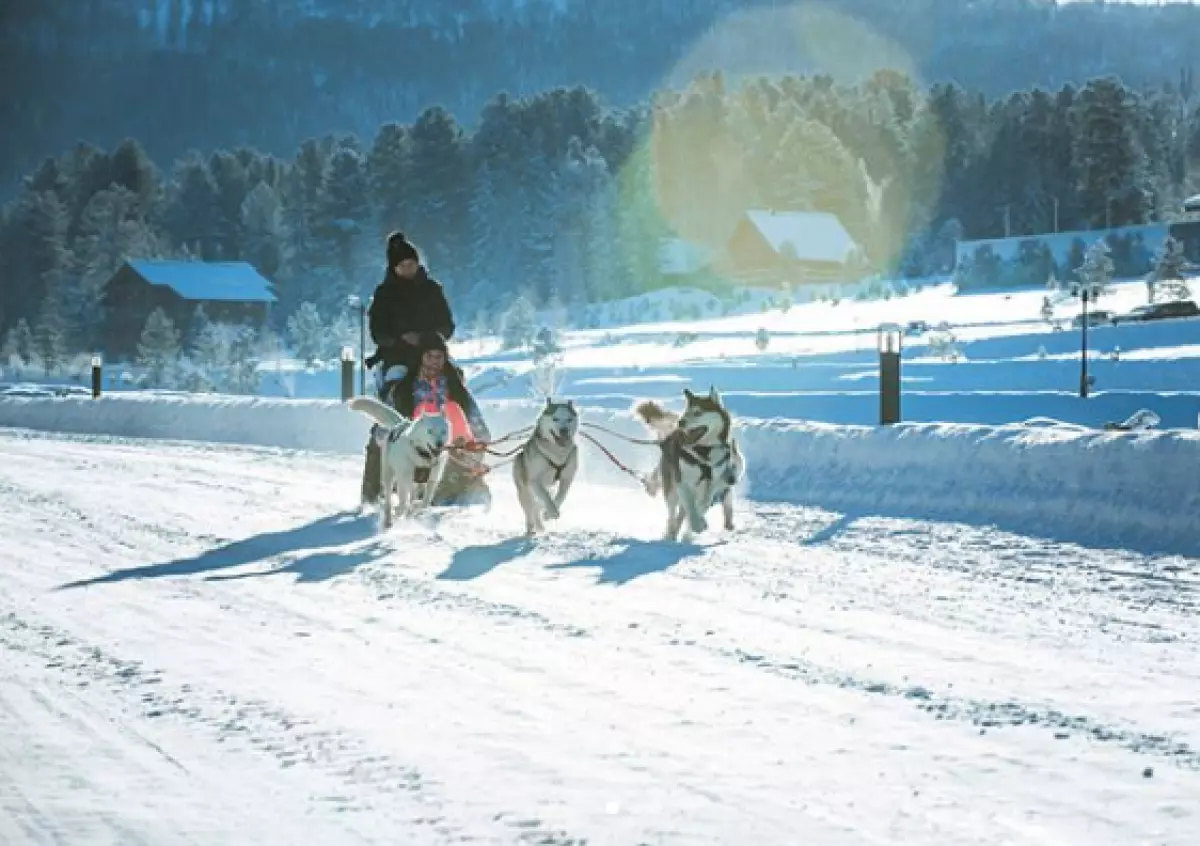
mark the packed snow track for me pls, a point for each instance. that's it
(201, 644)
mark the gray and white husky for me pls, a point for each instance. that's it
(700, 462)
(412, 455)
(550, 458)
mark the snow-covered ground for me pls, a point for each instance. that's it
(977, 631)
(200, 645)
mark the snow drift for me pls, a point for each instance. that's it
(1133, 490)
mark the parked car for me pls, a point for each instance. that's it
(1160, 311)
(1094, 318)
(916, 327)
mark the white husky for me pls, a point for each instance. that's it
(413, 455)
(549, 458)
(700, 463)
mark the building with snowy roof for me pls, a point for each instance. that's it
(799, 247)
(229, 292)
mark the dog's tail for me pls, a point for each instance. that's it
(382, 413)
(656, 418)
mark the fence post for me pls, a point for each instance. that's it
(889, 343)
(97, 373)
(347, 373)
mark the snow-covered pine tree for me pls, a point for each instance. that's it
(243, 376)
(519, 323)
(1169, 275)
(159, 349)
(18, 343)
(49, 338)
(1096, 273)
(306, 333)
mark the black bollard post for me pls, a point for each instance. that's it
(96, 376)
(889, 374)
(347, 373)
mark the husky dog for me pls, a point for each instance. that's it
(413, 455)
(700, 462)
(549, 457)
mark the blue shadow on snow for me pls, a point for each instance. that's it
(334, 530)
(636, 558)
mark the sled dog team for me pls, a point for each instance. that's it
(698, 467)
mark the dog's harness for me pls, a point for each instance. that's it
(558, 468)
(701, 456)
(421, 474)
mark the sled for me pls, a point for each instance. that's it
(462, 482)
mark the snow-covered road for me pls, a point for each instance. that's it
(197, 647)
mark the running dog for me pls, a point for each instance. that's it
(700, 462)
(413, 455)
(549, 458)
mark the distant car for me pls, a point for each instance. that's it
(1094, 318)
(1160, 311)
(916, 327)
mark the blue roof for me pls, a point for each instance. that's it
(219, 281)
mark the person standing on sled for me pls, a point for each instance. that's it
(406, 304)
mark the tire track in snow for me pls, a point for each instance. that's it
(266, 730)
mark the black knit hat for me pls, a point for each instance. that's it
(399, 249)
(432, 341)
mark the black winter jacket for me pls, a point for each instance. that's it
(406, 305)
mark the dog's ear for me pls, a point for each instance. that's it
(571, 404)
(549, 401)
(689, 396)
(713, 395)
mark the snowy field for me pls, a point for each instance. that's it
(821, 364)
(978, 631)
(201, 646)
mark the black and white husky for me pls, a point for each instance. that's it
(549, 459)
(700, 462)
(412, 455)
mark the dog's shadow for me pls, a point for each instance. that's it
(634, 559)
(336, 530)
(473, 562)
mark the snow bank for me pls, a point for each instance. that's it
(1136, 491)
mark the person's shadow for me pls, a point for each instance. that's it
(316, 537)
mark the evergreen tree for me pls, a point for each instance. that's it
(159, 349)
(1096, 273)
(49, 339)
(519, 323)
(264, 239)
(190, 213)
(307, 331)
(19, 342)
(1169, 275)
(1109, 157)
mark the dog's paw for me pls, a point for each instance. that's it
(699, 527)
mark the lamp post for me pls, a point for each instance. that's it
(1083, 370)
(356, 302)
(889, 340)
(97, 366)
(347, 373)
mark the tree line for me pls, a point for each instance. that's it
(560, 198)
(268, 73)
